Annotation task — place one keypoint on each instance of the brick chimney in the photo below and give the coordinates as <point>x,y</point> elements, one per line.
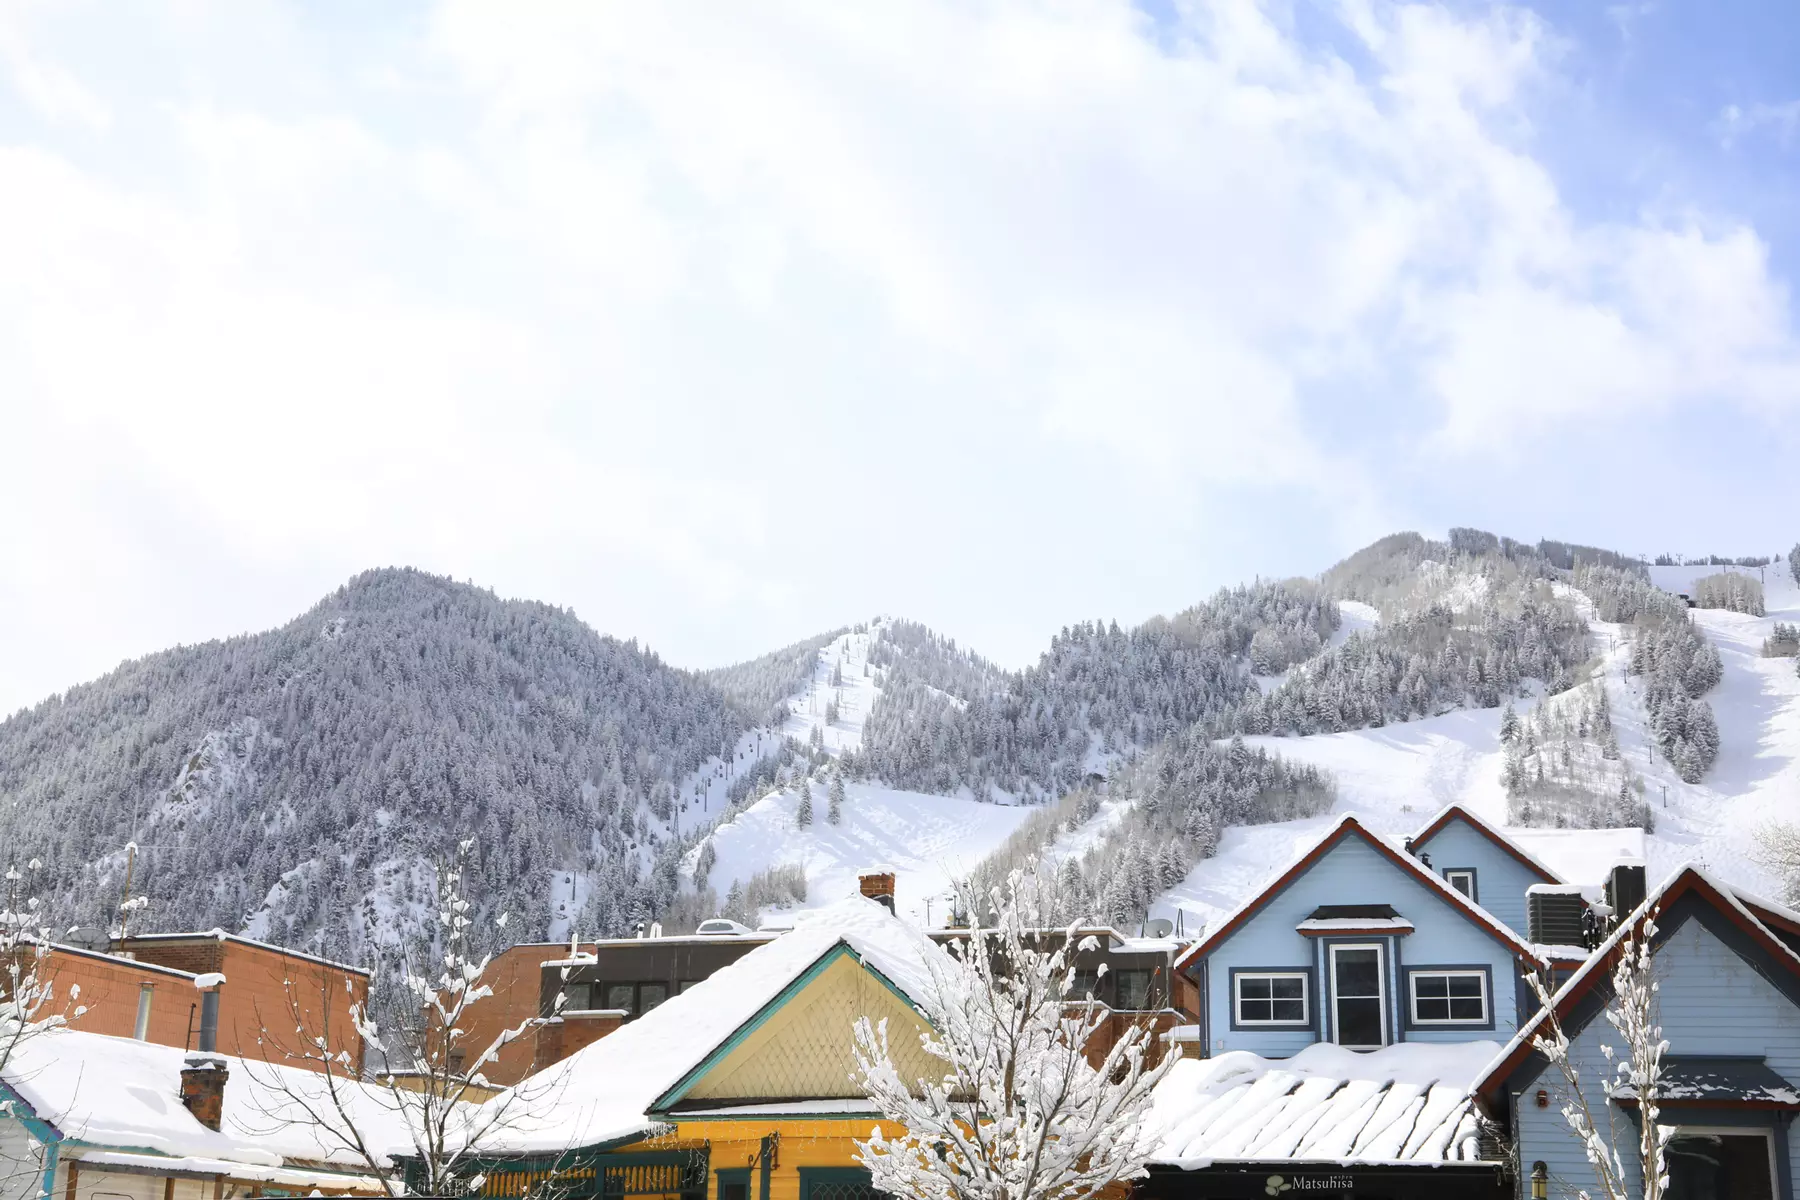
<point>203,1088</point>
<point>877,883</point>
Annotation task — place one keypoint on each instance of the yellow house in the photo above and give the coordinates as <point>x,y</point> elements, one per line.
<point>740,1088</point>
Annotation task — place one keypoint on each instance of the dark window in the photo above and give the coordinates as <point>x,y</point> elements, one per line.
<point>1086,984</point>
<point>1356,987</point>
<point>1462,879</point>
<point>734,1183</point>
<point>1719,1166</point>
<point>1449,997</point>
<point>1271,999</point>
<point>1133,989</point>
<point>684,985</point>
<point>620,995</point>
<point>650,995</point>
<point>578,996</point>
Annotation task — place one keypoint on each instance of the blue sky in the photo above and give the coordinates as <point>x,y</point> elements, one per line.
<point>999,316</point>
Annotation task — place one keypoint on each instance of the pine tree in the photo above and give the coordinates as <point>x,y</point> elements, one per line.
<point>1509,724</point>
<point>835,812</point>
<point>803,813</point>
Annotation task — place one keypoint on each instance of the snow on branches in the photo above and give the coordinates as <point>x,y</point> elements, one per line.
<point>1020,1112</point>
<point>1636,1074</point>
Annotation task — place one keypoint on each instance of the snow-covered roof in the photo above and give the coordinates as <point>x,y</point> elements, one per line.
<point>112,1092</point>
<point>605,1092</point>
<point>1317,925</point>
<point>1581,855</point>
<point>1685,878</point>
<point>1409,1103</point>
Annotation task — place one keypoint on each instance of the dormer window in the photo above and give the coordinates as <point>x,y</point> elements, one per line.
<point>1462,879</point>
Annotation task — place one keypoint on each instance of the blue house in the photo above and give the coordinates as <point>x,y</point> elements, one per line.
<point>1728,982</point>
<point>1481,862</point>
<point>1361,944</point>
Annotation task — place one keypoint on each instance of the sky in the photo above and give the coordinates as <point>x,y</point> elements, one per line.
<point>724,326</point>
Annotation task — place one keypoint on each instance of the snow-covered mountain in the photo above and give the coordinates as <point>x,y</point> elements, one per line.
<point>300,783</point>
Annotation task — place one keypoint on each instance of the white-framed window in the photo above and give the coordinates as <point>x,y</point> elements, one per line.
<point>1441,997</point>
<point>1270,997</point>
<point>1358,996</point>
<point>1721,1161</point>
<point>1462,879</point>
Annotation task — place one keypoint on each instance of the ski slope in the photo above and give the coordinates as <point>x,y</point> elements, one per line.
<point>927,840</point>
<point>1396,777</point>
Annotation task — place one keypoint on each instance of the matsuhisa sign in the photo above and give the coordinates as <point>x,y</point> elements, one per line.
<point>1284,1185</point>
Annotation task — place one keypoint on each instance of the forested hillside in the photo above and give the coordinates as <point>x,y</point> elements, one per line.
<point>303,780</point>
<point>1098,691</point>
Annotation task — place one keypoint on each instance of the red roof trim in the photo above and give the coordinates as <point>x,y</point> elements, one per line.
<point>1690,880</point>
<point>1479,826</point>
<point>1405,862</point>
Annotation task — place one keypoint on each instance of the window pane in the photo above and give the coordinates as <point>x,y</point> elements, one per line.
<point>1467,1010</point>
<point>1433,1010</point>
<point>619,995</point>
<point>1256,1010</point>
<point>1290,988</point>
<point>1289,1010</point>
<point>1255,987</point>
<point>1462,881</point>
<point>1465,985</point>
<point>1436,987</point>
<point>1359,1022</point>
<point>1134,990</point>
<point>651,994</point>
<point>1358,972</point>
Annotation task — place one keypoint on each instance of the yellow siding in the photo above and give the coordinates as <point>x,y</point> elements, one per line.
<point>812,1142</point>
<point>803,1051</point>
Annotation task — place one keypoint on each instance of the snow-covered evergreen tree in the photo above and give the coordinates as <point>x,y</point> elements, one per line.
<point>834,813</point>
<point>803,812</point>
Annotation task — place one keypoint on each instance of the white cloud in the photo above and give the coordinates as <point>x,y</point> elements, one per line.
<point>1735,123</point>
<point>656,316</point>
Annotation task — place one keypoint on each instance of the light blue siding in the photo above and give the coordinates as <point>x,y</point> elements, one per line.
<point>1712,1002</point>
<point>1353,872</point>
<point>1500,879</point>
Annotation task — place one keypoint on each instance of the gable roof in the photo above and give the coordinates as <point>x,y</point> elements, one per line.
<point>609,1091</point>
<point>1688,880</point>
<point>1348,826</point>
<point>1453,812</point>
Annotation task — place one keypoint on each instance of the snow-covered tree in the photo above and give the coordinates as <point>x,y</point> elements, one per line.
<point>1636,1072</point>
<point>834,812</point>
<point>419,1069</point>
<point>803,814</point>
<point>28,1005</point>
<point>1020,1112</point>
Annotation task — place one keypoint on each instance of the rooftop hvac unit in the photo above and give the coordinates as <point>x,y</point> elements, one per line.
<point>1553,915</point>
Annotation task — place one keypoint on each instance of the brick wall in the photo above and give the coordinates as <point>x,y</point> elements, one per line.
<point>265,988</point>
<point>110,988</point>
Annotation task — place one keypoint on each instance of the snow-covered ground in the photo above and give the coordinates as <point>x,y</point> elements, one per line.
<point>927,840</point>
<point>1396,777</point>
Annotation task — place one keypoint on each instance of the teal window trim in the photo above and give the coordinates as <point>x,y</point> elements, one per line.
<point>852,1176</point>
<point>737,1175</point>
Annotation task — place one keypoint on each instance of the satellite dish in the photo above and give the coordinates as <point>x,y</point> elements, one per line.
<point>1161,927</point>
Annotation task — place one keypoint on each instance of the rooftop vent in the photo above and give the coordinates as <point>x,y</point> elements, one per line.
<point>1341,912</point>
